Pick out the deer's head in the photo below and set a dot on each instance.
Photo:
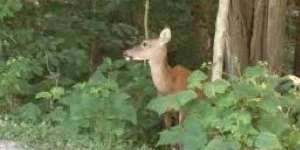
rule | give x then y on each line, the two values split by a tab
152	49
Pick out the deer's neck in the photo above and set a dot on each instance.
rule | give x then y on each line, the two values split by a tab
160	72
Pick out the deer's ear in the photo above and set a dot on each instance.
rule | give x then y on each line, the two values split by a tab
165	35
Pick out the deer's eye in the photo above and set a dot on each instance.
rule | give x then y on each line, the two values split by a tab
145	44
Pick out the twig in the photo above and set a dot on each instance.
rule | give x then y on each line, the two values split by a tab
146	19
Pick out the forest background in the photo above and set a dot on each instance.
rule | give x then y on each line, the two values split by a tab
65	85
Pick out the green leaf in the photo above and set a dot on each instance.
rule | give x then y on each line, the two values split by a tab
191	136
171	136
220	85
246	90
227	100
223	144
209	90
30	111
57	92
59	114
275	123
44	95
194	137
194	80
217	86
171	101
255	72
202	112
269	105
267	140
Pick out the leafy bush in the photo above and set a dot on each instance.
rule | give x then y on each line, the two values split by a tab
239	113
109	104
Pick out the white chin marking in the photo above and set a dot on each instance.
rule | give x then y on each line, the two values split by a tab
127	58
134	58
138	58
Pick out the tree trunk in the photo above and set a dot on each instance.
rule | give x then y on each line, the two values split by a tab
258	41
276	34
297	48
240	19
220	39
255	33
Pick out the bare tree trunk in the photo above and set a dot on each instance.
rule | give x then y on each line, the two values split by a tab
240	19
220	39
297	48
276	34
255	32
258	41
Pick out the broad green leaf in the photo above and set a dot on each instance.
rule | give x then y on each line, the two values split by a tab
220	85
171	101
272	82
30	111
58	114
269	105
227	100
220	143
209	90
273	123
255	72
119	97
194	80
44	95
202	113
267	140
57	92
171	136
129	114
246	90
194	136
193	139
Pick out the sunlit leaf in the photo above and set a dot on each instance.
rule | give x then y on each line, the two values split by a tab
194	80
220	85
223	144
267	140
171	101
255	72
227	101
44	95
171	136
209	90
273	123
57	91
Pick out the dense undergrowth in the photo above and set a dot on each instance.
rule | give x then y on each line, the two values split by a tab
112	110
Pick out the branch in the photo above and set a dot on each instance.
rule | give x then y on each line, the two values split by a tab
146	19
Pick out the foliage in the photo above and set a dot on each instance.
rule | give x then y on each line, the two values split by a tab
45	136
239	113
54	99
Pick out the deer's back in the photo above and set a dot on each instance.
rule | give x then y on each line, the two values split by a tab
179	76
179	79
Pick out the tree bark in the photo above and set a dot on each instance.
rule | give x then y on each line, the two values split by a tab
255	33
276	34
258	39
220	39
297	48
240	20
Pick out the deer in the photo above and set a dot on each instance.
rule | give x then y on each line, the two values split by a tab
166	79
